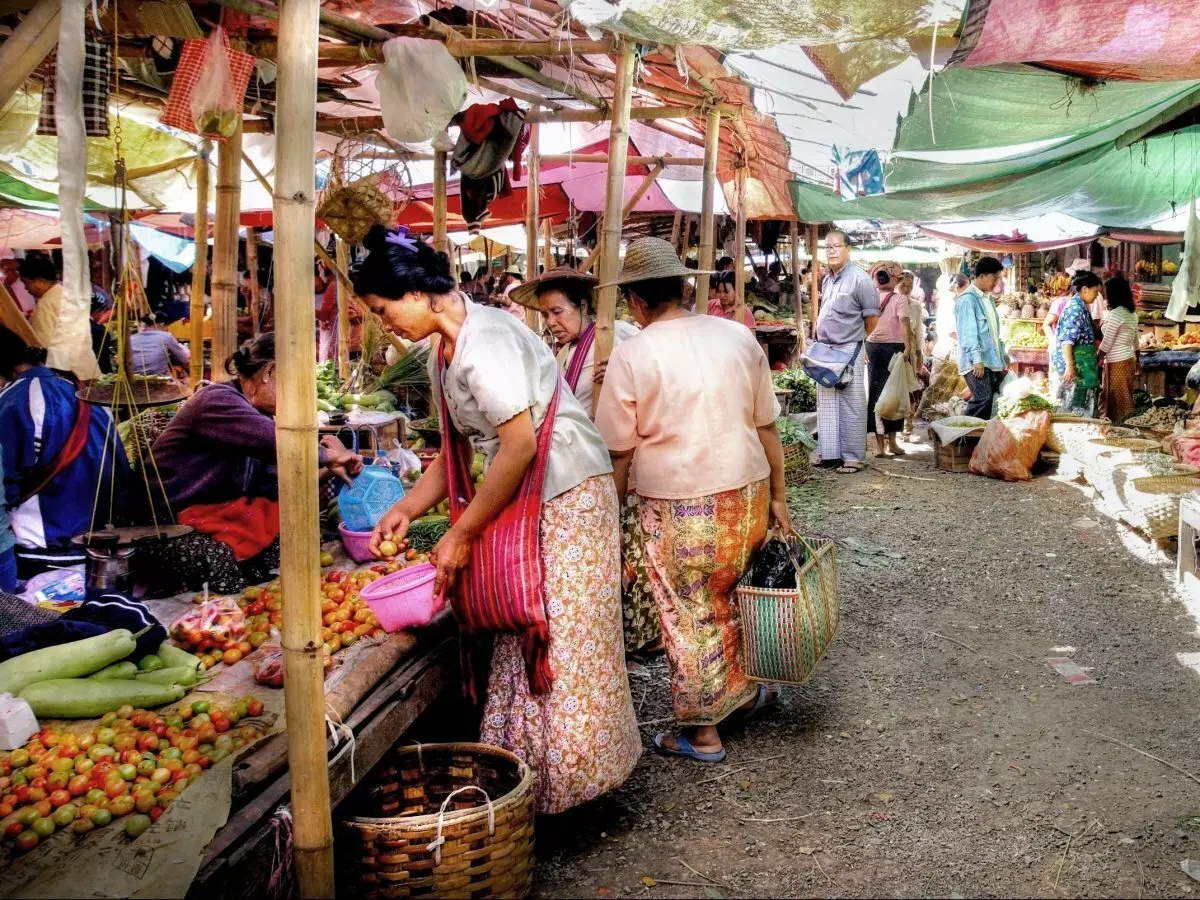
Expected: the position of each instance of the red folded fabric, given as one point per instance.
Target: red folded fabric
(248, 526)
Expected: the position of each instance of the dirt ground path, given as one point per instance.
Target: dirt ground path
(935, 753)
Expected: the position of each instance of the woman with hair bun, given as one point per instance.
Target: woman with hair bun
(560, 700)
(216, 461)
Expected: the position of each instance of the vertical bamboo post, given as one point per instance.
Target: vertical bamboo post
(296, 440)
(439, 203)
(225, 252)
(532, 221)
(610, 236)
(342, 254)
(712, 140)
(199, 272)
(252, 270)
(675, 230)
(739, 265)
(797, 304)
(814, 277)
(547, 249)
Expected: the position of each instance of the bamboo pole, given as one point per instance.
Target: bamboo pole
(30, 43)
(637, 195)
(572, 158)
(225, 253)
(255, 290)
(342, 251)
(610, 236)
(814, 277)
(329, 55)
(533, 318)
(739, 266)
(797, 304)
(638, 113)
(296, 439)
(199, 272)
(440, 242)
(712, 141)
(547, 240)
(675, 225)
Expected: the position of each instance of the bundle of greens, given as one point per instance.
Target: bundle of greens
(1009, 407)
(791, 432)
(803, 389)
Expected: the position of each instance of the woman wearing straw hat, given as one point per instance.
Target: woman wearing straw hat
(564, 294)
(557, 695)
(689, 400)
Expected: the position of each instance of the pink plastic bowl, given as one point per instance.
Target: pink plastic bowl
(356, 543)
(403, 599)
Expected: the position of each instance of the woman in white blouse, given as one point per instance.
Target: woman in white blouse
(498, 381)
(1120, 348)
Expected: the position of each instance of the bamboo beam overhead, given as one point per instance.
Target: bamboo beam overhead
(296, 439)
(199, 272)
(610, 237)
(29, 44)
(336, 55)
(636, 113)
(571, 158)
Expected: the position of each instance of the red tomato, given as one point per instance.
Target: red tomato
(60, 798)
(78, 785)
(12, 829)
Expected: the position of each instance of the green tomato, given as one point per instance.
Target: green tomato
(64, 815)
(43, 827)
(136, 825)
(101, 817)
(201, 706)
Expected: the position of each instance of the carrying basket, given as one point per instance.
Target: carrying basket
(442, 820)
(797, 467)
(786, 632)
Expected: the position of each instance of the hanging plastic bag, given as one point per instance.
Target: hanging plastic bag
(421, 87)
(1009, 447)
(1185, 290)
(895, 403)
(216, 106)
(773, 566)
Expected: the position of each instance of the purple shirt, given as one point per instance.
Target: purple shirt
(217, 448)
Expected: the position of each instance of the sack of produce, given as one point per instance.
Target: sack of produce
(211, 624)
(1009, 447)
(895, 401)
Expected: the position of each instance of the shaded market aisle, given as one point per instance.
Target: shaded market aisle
(935, 752)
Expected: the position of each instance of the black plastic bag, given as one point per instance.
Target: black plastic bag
(1192, 379)
(773, 566)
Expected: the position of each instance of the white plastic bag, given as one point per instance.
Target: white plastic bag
(1185, 291)
(421, 87)
(216, 108)
(895, 403)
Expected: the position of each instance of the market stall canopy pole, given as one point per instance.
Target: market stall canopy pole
(199, 271)
(225, 253)
(712, 140)
(440, 242)
(610, 237)
(252, 270)
(296, 438)
(739, 265)
(797, 303)
(30, 43)
(532, 316)
(580, 158)
(342, 250)
(814, 278)
(642, 188)
(636, 113)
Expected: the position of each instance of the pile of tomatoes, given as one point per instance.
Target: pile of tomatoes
(344, 614)
(131, 766)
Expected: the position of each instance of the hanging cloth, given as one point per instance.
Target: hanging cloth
(1185, 292)
(501, 588)
(97, 82)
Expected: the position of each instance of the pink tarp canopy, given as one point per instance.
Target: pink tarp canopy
(21, 229)
(1147, 40)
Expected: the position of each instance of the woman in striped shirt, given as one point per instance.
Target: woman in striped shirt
(1119, 346)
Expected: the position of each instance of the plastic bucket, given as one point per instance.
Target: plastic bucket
(404, 599)
(356, 543)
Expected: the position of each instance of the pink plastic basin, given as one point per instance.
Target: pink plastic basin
(403, 599)
(356, 543)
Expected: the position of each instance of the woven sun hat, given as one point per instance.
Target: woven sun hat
(526, 293)
(514, 270)
(1079, 265)
(652, 257)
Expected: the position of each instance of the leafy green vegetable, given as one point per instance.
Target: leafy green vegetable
(1007, 408)
(791, 432)
(803, 389)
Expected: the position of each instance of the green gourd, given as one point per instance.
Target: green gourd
(85, 698)
(72, 660)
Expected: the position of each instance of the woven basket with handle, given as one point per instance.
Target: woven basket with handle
(1152, 503)
(786, 632)
(797, 467)
(442, 820)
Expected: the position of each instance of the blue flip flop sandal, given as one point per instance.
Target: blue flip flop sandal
(764, 702)
(686, 749)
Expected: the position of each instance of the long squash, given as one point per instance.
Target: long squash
(72, 660)
(183, 675)
(116, 672)
(173, 657)
(86, 698)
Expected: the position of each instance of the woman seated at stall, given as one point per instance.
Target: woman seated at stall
(1074, 368)
(62, 460)
(689, 402)
(496, 385)
(217, 464)
(565, 296)
(723, 302)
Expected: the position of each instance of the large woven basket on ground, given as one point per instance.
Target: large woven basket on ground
(1067, 433)
(797, 467)
(786, 632)
(1152, 503)
(1102, 472)
(442, 820)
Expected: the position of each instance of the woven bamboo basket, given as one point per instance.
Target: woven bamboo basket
(445, 820)
(785, 633)
(1102, 473)
(1068, 432)
(1152, 503)
(797, 467)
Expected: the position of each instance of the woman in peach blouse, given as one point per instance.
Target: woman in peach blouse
(690, 399)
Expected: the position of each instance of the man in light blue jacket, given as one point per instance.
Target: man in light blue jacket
(982, 360)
